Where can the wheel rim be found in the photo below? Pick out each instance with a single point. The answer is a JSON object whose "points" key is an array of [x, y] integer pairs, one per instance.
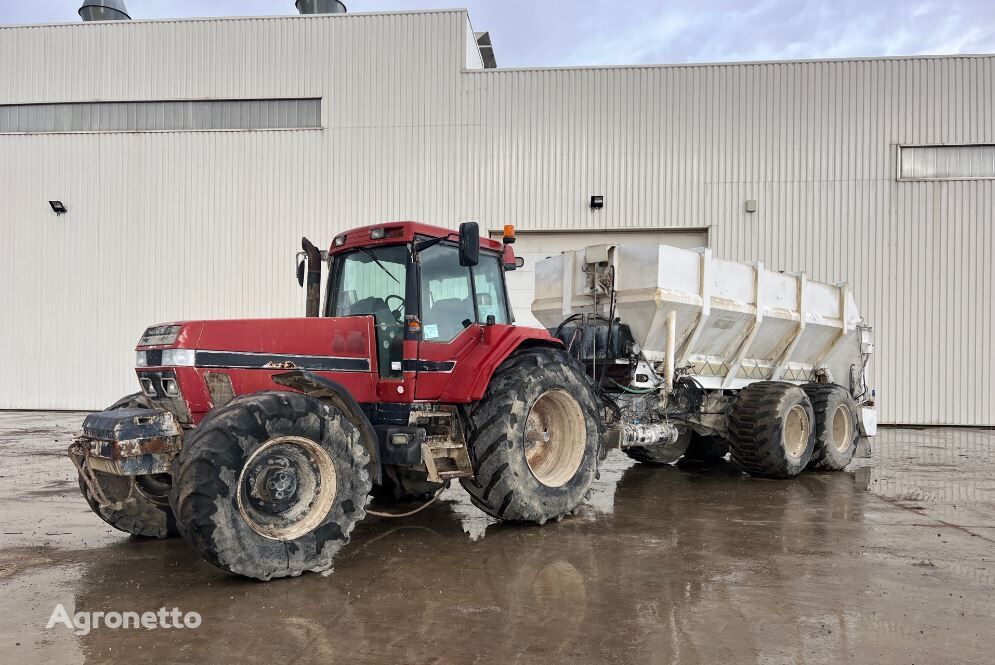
{"points": [[555, 438], [286, 488], [842, 428], [796, 432]]}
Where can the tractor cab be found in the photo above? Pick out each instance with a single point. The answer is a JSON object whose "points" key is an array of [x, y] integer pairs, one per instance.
{"points": [[433, 294]]}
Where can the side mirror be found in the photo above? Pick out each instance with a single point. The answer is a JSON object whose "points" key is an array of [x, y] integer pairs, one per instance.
{"points": [[469, 244], [301, 267]]}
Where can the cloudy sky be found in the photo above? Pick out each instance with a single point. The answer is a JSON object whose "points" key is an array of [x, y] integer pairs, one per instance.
{"points": [[591, 32]]}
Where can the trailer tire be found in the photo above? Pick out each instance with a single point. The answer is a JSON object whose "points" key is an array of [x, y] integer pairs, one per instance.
{"points": [[661, 455], [706, 448], [835, 426], [535, 393], [772, 430], [401, 484], [271, 486]]}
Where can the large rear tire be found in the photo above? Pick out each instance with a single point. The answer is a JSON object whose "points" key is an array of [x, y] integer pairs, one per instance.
{"points": [[772, 430], [534, 439], [835, 426], [271, 486]]}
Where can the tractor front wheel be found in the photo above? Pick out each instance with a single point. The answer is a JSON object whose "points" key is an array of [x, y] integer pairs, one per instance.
{"points": [[138, 505], [271, 485], [534, 438]]}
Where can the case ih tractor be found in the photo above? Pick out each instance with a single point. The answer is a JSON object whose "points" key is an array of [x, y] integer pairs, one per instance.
{"points": [[261, 442]]}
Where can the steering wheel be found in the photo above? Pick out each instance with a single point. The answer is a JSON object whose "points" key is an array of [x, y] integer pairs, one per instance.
{"points": [[399, 311]]}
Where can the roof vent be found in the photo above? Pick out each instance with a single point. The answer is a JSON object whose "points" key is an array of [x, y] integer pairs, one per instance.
{"points": [[320, 7], [104, 10]]}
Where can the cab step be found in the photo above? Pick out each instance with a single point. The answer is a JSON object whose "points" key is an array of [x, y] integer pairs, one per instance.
{"points": [[444, 450]]}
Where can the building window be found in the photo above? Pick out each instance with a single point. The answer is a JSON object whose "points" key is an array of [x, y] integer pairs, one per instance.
{"points": [[161, 116], [946, 162]]}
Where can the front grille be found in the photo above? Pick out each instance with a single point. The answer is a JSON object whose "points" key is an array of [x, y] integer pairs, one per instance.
{"points": [[175, 405]]}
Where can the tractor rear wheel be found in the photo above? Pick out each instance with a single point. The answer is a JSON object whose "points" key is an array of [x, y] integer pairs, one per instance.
{"points": [[271, 486], [835, 426], [141, 503], [772, 430], [534, 439]]}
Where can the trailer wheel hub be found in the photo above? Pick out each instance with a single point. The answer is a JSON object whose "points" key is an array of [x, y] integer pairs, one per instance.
{"points": [[555, 438], [796, 431], [842, 428], [286, 488]]}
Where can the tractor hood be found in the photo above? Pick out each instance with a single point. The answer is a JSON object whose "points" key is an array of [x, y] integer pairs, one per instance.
{"points": [[191, 367], [314, 344]]}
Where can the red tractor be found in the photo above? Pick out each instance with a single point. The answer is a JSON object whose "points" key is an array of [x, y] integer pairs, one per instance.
{"points": [[261, 441]]}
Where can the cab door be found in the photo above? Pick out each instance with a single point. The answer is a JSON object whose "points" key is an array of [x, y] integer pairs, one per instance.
{"points": [[455, 303]]}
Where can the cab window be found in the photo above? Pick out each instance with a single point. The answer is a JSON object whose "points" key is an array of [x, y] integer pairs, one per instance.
{"points": [[488, 282], [446, 305], [371, 282]]}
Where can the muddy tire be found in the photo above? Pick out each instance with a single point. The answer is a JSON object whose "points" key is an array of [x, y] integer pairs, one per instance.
{"points": [[271, 485], [401, 485], [660, 455], [534, 439], [772, 430], [835, 426], [145, 513], [134, 401], [706, 449]]}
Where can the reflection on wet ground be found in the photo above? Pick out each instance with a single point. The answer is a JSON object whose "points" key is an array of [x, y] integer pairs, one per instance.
{"points": [[890, 562]]}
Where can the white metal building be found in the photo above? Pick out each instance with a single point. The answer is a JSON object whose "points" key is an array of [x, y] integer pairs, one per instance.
{"points": [[192, 156]]}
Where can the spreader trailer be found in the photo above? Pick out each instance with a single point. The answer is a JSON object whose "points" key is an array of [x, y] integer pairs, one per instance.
{"points": [[263, 442]]}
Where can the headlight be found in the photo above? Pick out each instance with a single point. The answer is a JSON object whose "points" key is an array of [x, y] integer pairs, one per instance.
{"points": [[178, 357], [141, 359]]}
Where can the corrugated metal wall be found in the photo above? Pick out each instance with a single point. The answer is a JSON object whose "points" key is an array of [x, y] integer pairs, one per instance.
{"points": [[179, 225], [816, 145]]}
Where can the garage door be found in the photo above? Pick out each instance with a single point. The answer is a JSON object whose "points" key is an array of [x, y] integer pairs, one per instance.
{"points": [[535, 246]]}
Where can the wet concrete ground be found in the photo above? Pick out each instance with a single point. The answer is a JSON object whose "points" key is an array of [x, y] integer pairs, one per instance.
{"points": [[892, 561]]}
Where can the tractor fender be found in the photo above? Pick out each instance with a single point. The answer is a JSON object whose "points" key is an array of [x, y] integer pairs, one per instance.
{"points": [[336, 394], [477, 375]]}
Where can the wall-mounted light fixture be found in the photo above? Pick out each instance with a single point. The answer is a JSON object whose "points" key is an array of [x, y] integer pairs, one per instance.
{"points": [[597, 202], [58, 207], [751, 205]]}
